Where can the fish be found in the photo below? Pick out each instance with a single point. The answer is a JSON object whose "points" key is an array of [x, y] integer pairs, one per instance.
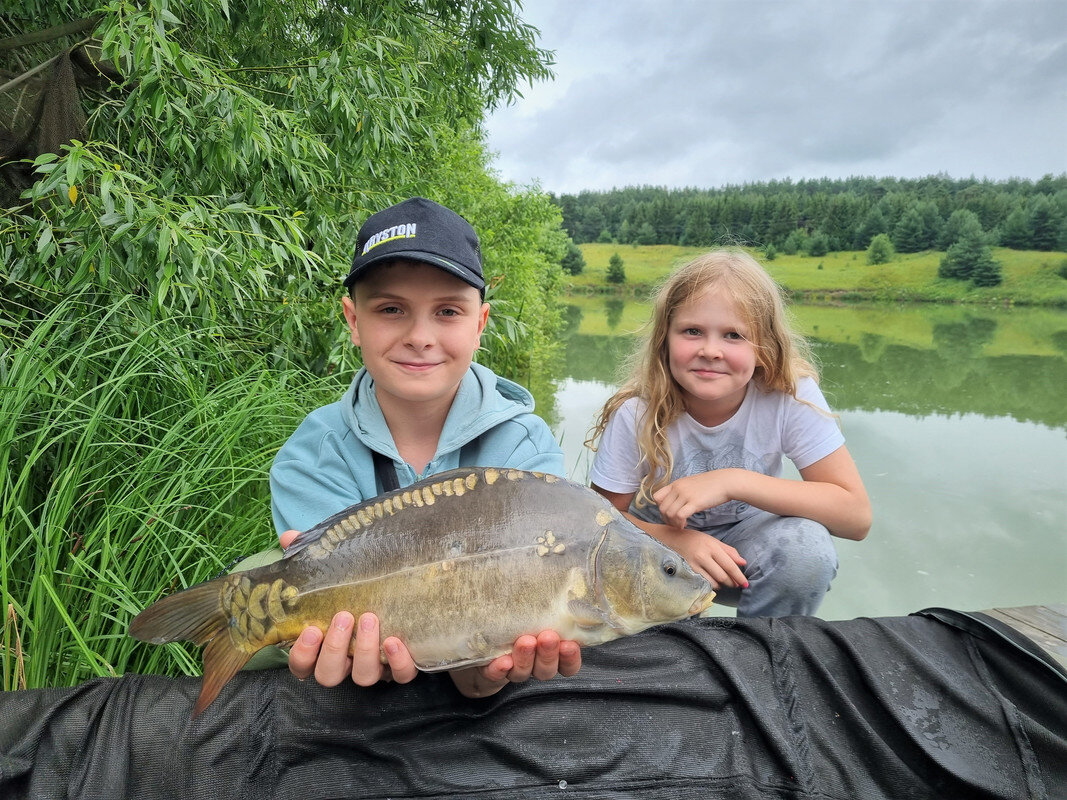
{"points": [[457, 566]]}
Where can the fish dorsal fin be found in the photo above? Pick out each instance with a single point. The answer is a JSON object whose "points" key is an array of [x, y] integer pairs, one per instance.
{"points": [[352, 520]]}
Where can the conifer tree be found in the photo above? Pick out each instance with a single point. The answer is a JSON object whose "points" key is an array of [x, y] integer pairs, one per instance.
{"points": [[970, 258], [1016, 232]]}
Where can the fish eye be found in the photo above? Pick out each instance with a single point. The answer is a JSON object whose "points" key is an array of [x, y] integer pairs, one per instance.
{"points": [[669, 566]]}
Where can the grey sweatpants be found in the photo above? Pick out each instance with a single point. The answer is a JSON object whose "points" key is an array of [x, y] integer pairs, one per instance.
{"points": [[790, 564]]}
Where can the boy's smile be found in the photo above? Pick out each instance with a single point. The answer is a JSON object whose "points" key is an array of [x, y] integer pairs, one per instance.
{"points": [[711, 356], [418, 328]]}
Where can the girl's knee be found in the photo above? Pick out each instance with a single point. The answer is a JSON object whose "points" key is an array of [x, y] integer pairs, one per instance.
{"points": [[791, 563], [800, 553]]}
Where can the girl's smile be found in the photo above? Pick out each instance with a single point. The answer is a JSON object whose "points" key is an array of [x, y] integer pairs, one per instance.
{"points": [[711, 356]]}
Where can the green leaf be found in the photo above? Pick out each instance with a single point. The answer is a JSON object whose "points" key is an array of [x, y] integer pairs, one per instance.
{"points": [[46, 238]]}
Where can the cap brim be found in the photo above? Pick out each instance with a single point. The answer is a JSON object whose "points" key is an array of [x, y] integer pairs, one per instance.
{"points": [[451, 267]]}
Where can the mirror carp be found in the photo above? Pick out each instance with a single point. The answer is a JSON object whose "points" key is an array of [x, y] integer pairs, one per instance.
{"points": [[457, 566]]}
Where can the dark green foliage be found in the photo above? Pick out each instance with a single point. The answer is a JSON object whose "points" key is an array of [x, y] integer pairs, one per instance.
{"points": [[970, 258], [986, 271], [770, 252], [950, 232], [1016, 231], [872, 225], [917, 229], [880, 250], [590, 224], [819, 245], [573, 261], [615, 272], [604, 237], [795, 242], [1046, 221], [646, 234], [850, 212]]}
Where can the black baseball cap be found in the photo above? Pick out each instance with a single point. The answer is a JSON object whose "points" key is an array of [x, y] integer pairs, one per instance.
{"points": [[419, 230]]}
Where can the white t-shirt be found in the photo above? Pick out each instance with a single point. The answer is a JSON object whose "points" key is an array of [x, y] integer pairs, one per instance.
{"points": [[766, 427]]}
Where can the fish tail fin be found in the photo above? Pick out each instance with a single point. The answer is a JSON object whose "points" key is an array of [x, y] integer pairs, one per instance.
{"points": [[195, 615]]}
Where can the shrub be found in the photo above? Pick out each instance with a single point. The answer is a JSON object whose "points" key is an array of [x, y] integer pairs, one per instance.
{"points": [[819, 245], [573, 261], [881, 250]]}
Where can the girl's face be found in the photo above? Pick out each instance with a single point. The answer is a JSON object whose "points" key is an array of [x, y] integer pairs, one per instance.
{"points": [[711, 356]]}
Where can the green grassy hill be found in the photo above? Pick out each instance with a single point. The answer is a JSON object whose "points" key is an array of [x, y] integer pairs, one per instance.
{"points": [[1030, 277]]}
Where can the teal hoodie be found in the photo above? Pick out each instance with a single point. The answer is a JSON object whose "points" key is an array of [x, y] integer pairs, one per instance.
{"points": [[326, 465]]}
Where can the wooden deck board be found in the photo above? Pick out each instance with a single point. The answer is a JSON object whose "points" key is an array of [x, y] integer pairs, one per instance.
{"points": [[1045, 625]]}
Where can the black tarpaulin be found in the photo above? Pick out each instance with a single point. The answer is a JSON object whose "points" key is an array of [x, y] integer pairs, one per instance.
{"points": [[946, 706]]}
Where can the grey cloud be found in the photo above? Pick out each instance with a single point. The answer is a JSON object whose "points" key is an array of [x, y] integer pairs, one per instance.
{"points": [[710, 93]]}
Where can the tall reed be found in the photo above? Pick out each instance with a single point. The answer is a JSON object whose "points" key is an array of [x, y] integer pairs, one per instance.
{"points": [[133, 462]]}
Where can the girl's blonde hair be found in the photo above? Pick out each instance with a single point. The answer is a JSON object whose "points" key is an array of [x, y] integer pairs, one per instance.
{"points": [[782, 356]]}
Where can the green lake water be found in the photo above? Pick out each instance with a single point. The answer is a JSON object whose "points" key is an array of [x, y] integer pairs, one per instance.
{"points": [[957, 419]]}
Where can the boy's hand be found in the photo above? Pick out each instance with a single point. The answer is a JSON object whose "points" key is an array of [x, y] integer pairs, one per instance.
{"points": [[541, 657], [679, 500], [326, 656]]}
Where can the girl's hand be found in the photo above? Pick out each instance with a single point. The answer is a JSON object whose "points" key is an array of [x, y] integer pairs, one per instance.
{"points": [[678, 501], [718, 562]]}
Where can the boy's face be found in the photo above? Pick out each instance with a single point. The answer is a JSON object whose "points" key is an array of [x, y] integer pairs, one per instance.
{"points": [[418, 328]]}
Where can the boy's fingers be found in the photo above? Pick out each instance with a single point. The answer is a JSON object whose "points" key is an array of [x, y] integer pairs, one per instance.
{"points": [[286, 538], [304, 653], [366, 656], [523, 655], [497, 670], [570, 658], [546, 656], [401, 664], [333, 663]]}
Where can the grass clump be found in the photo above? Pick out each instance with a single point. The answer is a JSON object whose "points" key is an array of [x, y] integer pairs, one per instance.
{"points": [[133, 462]]}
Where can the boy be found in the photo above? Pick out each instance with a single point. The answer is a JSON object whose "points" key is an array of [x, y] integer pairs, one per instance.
{"points": [[417, 407]]}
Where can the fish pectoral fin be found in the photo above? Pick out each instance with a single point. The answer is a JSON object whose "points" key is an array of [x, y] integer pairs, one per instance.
{"points": [[586, 615]]}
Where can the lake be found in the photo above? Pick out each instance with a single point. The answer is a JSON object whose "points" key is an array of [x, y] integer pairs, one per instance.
{"points": [[956, 417]]}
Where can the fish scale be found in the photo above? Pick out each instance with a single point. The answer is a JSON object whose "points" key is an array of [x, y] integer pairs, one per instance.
{"points": [[457, 566]]}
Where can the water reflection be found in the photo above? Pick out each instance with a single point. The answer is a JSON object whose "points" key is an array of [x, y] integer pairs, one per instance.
{"points": [[956, 418], [926, 362]]}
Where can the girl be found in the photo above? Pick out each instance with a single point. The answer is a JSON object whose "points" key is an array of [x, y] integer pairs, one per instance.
{"points": [[691, 446]]}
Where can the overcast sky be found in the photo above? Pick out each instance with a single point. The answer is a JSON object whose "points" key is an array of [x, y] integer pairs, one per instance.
{"points": [[714, 92]]}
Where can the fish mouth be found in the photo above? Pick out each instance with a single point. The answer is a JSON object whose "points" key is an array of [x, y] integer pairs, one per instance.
{"points": [[702, 603]]}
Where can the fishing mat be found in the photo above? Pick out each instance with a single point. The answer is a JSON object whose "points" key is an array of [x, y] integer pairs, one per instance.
{"points": [[943, 705]]}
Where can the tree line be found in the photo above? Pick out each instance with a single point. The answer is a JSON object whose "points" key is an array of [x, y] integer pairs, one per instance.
{"points": [[819, 216]]}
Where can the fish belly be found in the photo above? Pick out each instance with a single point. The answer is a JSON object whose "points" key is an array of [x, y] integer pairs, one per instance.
{"points": [[461, 612]]}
